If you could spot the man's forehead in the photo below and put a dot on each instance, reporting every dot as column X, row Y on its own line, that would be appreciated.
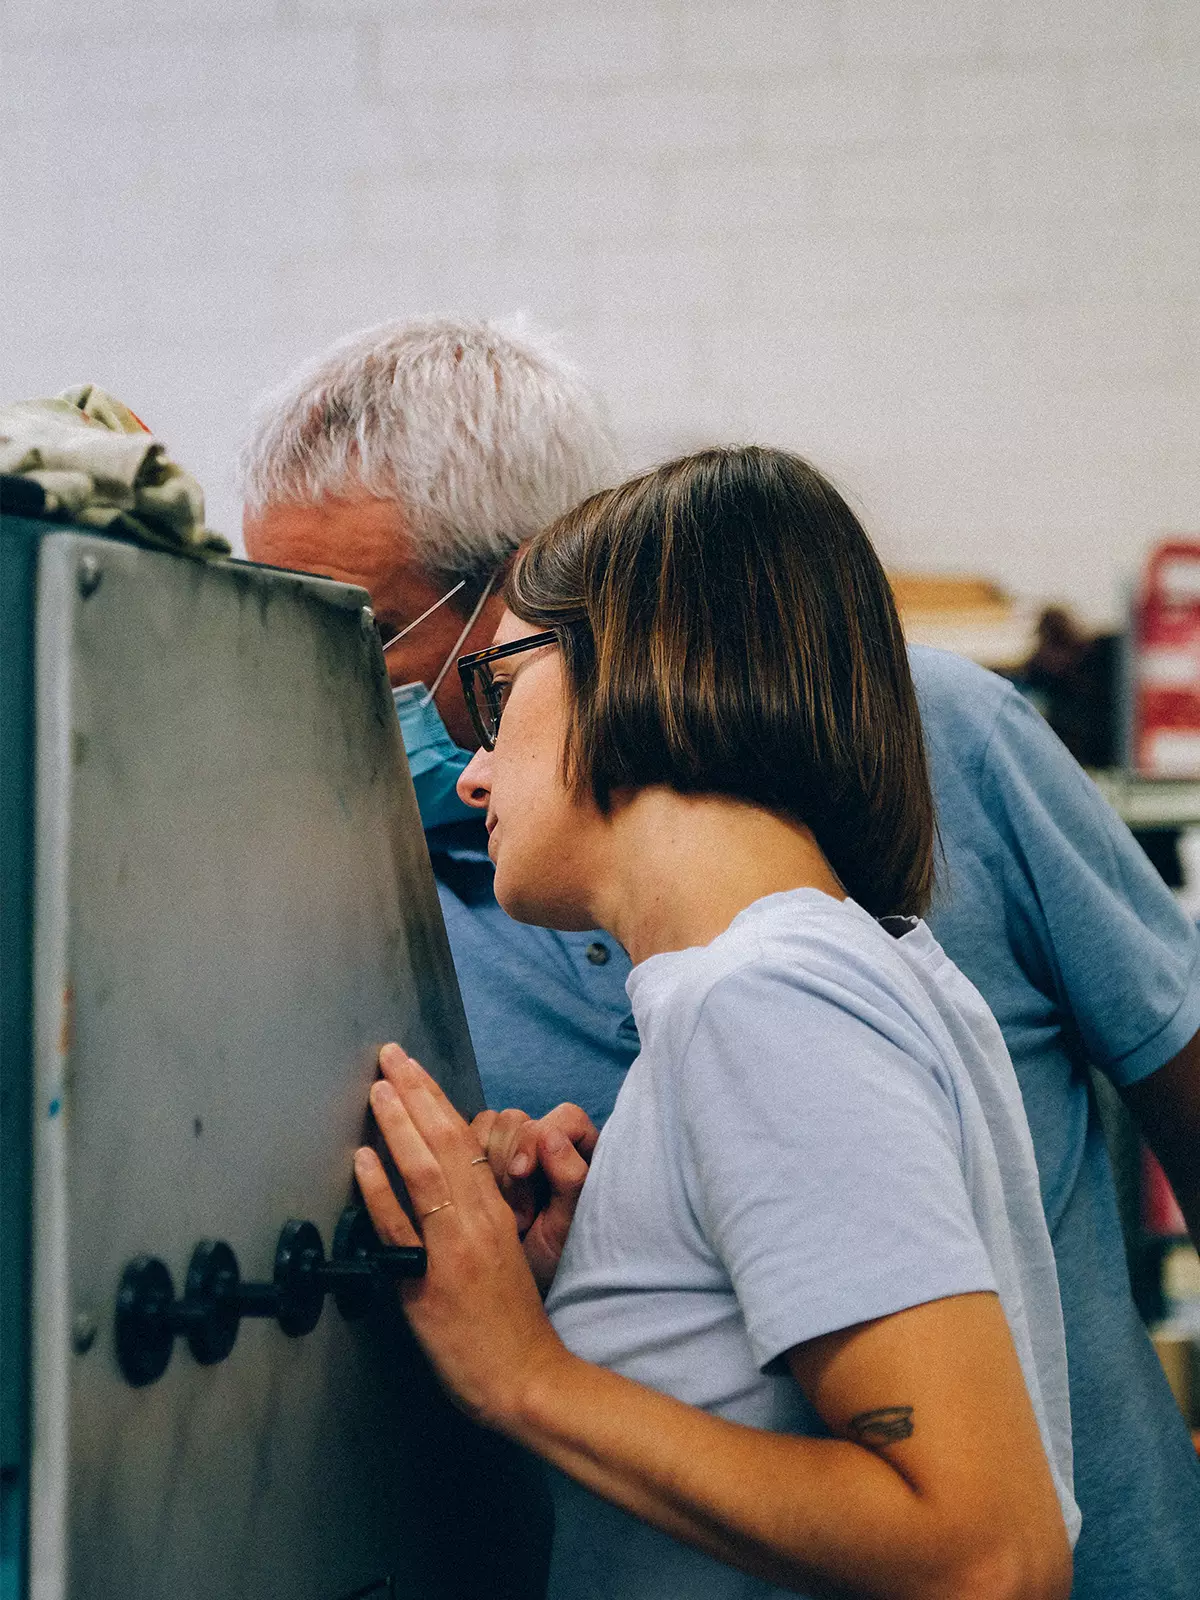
column 361, row 541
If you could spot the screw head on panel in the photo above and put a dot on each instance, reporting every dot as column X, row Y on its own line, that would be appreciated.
column 90, row 575
column 83, row 1332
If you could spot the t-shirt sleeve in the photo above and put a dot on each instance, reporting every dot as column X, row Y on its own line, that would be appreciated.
column 1091, row 916
column 825, row 1163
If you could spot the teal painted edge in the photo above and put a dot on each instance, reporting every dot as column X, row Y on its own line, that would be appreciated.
column 20, row 540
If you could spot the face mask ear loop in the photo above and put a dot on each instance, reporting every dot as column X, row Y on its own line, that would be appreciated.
column 428, row 612
column 458, row 643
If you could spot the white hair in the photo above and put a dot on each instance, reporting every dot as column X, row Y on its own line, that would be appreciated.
column 478, row 431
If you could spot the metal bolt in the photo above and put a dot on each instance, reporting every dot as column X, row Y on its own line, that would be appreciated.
column 83, row 1333
column 90, row 574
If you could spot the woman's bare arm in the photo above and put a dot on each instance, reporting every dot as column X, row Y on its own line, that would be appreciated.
column 937, row 1485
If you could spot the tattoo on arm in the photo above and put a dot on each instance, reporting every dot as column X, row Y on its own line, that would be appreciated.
column 886, row 1425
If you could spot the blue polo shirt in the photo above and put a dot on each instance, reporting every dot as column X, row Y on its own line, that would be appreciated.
column 548, row 1013
column 1048, row 905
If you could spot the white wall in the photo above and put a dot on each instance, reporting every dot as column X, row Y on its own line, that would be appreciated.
column 951, row 250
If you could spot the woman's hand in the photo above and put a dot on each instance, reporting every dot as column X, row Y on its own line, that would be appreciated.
column 540, row 1167
column 477, row 1311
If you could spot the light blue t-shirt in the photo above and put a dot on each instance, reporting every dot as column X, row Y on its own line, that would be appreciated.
column 1051, row 909
column 823, row 1127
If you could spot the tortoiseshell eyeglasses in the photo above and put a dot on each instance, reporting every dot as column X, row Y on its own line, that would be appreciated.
column 484, row 696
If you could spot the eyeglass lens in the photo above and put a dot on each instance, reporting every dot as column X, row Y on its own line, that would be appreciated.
column 483, row 702
column 492, row 700
column 484, row 696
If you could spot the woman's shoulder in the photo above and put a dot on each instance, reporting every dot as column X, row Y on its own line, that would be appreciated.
column 808, row 941
column 790, row 962
column 817, row 1021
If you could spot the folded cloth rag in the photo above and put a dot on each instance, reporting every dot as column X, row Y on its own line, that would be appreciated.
column 99, row 466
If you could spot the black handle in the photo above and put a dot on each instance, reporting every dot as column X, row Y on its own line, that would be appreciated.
column 215, row 1299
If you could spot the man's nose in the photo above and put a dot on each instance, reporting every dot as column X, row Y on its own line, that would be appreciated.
column 475, row 780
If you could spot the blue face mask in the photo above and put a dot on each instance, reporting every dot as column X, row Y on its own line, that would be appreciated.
column 434, row 760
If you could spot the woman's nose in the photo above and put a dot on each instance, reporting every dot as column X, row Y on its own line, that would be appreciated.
column 475, row 780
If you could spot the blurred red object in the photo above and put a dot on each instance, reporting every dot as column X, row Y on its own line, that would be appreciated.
column 1161, row 1215
column 1166, row 664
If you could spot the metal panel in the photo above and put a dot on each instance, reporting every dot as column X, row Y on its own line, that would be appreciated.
column 234, row 909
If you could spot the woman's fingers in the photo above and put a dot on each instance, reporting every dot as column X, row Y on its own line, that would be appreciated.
column 444, row 1131
column 511, row 1152
column 561, row 1161
column 500, row 1138
column 574, row 1122
column 512, row 1145
column 564, row 1170
column 425, row 1102
column 512, row 1142
column 435, row 1151
column 482, row 1126
column 386, row 1212
column 512, row 1137
column 423, row 1173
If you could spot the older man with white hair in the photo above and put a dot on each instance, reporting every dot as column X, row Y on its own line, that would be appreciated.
column 413, row 459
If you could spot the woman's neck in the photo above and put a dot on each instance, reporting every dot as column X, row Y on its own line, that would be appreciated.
column 679, row 868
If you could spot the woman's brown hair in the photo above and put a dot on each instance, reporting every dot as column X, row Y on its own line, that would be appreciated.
column 726, row 628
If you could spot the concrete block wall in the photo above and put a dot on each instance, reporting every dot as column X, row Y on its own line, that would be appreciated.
column 951, row 250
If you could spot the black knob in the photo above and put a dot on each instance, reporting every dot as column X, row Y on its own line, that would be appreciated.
column 144, row 1336
column 209, row 1313
column 216, row 1299
column 359, row 1268
column 149, row 1318
column 299, row 1267
column 361, row 1265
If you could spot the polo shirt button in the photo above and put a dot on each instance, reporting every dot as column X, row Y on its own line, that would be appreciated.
column 597, row 953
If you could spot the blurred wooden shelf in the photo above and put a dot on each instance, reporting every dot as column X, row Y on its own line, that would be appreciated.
column 965, row 615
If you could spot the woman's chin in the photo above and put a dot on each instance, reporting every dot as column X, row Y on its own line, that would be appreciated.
column 530, row 903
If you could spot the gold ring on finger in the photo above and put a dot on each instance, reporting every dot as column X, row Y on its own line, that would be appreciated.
column 442, row 1207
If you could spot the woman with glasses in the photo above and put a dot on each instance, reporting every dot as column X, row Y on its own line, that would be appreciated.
column 804, row 1335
